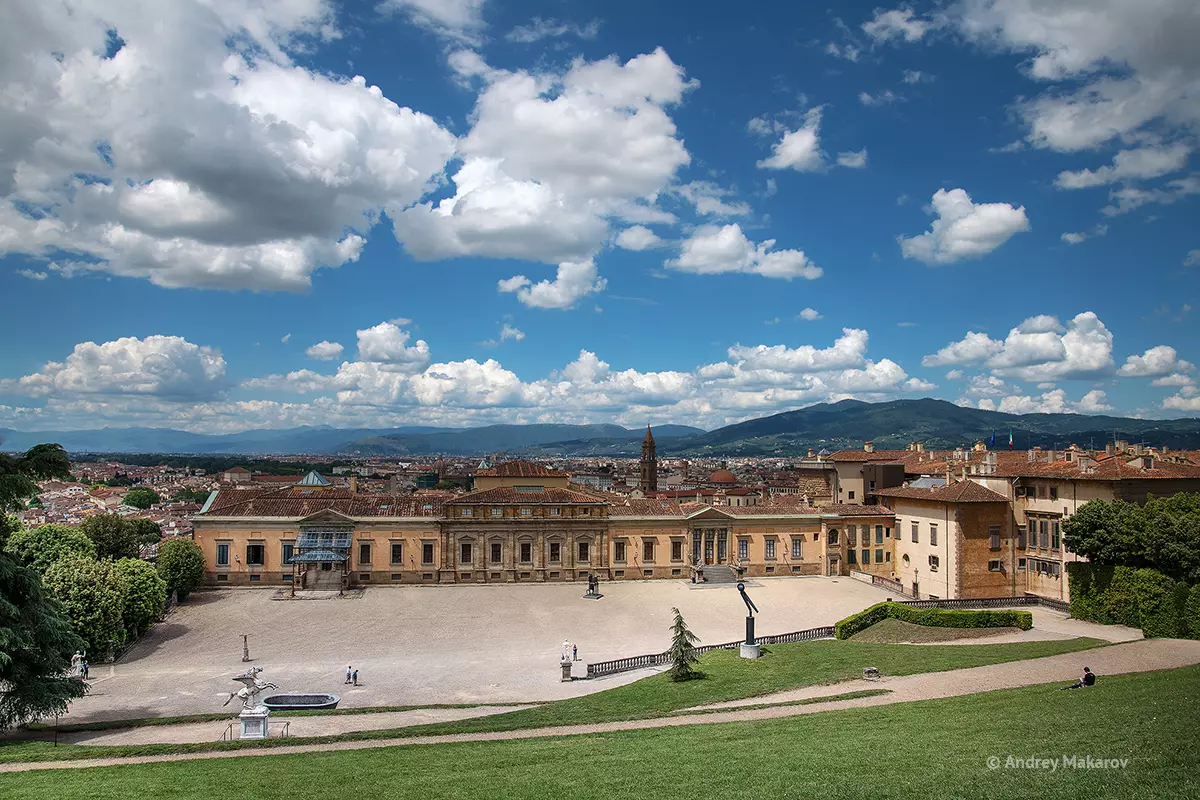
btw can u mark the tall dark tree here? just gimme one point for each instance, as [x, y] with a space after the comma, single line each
[146, 531]
[181, 565]
[113, 536]
[1110, 533]
[18, 474]
[36, 644]
[683, 651]
[42, 546]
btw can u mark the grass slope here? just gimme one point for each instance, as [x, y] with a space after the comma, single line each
[785, 666]
[931, 749]
[897, 631]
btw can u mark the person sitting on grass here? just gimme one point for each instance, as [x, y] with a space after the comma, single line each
[1087, 679]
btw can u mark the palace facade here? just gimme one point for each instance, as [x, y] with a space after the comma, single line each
[522, 523]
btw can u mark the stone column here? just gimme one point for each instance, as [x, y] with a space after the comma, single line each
[540, 558]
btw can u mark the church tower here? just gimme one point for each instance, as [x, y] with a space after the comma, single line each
[649, 463]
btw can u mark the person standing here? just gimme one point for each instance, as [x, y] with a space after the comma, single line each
[356, 677]
[574, 653]
[349, 674]
[86, 667]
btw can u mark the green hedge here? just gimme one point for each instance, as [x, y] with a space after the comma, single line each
[1139, 598]
[932, 618]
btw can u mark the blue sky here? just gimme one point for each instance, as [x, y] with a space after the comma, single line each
[220, 217]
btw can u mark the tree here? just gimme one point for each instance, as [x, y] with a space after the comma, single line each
[141, 498]
[181, 565]
[683, 651]
[1108, 533]
[145, 531]
[113, 536]
[143, 593]
[9, 524]
[36, 644]
[89, 596]
[1173, 536]
[192, 495]
[19, 473]
[42, 546]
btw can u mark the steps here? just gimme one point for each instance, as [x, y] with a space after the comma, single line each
[720, 573]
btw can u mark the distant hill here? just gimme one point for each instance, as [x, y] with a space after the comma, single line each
[937, 423]
[512, 439]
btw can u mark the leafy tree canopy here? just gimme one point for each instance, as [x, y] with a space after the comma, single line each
[36, 644]
[181, 565]
[1163, 535]
[113, 536]
[89, 595]
[143, 593]
[141, 498]
[192, 495]
[18, 474]
[145, 531]
[42, 546]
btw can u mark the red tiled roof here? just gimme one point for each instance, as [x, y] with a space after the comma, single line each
[961, 492]
[851, 510]
[645, 508]
[863, 455]
[520, 469]
[511, 495]
[298, 502]
[1114, 468]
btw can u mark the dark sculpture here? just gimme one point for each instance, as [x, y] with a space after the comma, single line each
[750, 609]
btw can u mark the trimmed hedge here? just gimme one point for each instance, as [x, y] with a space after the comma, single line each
[1138, 598]
[932, 618]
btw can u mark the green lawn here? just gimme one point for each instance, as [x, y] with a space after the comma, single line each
[931, 749]
[785, 666]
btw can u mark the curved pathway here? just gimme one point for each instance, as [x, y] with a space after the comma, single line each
[1140, 656]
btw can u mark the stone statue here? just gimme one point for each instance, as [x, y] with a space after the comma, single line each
[77, 665]
[252, 686]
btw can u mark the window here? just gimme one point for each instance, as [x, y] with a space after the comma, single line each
[1020, 538]
[994, 537]
[426, 552]
[933, 563]
[743, 549]
[1054, 537]
[467, 512]
[397, 552]
[916, 531]
[995, 565]
[933, 534]
[497, 512]
[222, 554]
[1053, 492]
[677, 551]
[554, 512]
[464, 553]
[497, 553]
[255, 554]
[798, 546]
[648, 550]
[878, 534]
[526, 512]
[866, 556]
[1043, 533]
[619, 551]
[583, 551]
[851, 556]
[556, 552]
[583, 512]
[852, 536]
[833, 538]
[526, 552]
[887, 533]
[770, 543]
[1021, 564]
[879, 556]
[287, 550]
[364, 552]
[852, 495]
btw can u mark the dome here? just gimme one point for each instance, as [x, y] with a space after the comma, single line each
[722, 476]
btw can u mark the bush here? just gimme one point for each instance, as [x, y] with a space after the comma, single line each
[143, 593]
[112, 535]
[90, 598]
[932, 618]
[42, 546]
[1191, 613]
[181, 565]
[1140, 598]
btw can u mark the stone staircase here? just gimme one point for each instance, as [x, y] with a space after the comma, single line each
[720, 573]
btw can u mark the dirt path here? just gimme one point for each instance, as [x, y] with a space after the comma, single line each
[1141, 656]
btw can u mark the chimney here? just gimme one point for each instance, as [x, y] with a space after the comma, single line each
[811, 452]
[920, 447]
[1110, 449]
[949, 475]
[353, 483]
[869, 447]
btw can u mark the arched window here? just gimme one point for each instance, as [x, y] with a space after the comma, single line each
[833, 537]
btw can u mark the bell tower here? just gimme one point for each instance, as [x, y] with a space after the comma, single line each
[649, 482]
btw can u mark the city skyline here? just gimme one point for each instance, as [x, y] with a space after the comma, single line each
[472, 212]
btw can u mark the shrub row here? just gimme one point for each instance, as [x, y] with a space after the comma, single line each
[1138, 598]
[932, 618]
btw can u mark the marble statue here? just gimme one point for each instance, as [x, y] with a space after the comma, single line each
[252, 686]
[77, 665]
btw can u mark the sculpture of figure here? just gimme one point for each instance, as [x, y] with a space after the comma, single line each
[252, 686]
[77, 665]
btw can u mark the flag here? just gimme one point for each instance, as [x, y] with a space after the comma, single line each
[1010, 442]
[992, 441]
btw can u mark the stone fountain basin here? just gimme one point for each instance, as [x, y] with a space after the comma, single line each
[300, 702]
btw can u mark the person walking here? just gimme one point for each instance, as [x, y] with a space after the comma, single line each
[356, 677]
[86, 666]
[574, 653]
[349, 674]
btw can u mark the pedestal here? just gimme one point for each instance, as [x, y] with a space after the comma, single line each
[254, 722]
[566, 672]
[750, 650]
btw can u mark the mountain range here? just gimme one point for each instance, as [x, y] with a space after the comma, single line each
[830, 426]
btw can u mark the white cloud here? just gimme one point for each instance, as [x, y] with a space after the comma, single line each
[964, 229]
[974, 348]
[324, 351]
[1192, 258]
[551, 158]
[912, 76]
[1130, 198]
[539, 29]
[799, 149]
[33, 275]
[509, 332]
[167, 367]
[708, 199]
[1182, 402]
[1129, 165]
[637, 237]
[214, 160]
[809, 314]
[846, 51]
[285, 338]
[386, 343]
[1124, 65]
[574, 280]
[955, 375]
[1094, 402]
[884, 98]
[1079, 237]
[899, 23]
[848, 351]
[1052, 402]
[1039, 349]
[458, 20]
[1154, 363]
[1176, 379]
[713, 249]
[852, 159]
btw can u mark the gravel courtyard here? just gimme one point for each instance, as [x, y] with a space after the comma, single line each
[447, 644]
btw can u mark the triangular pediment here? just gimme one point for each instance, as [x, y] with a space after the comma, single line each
[710, 513]
[327, 516]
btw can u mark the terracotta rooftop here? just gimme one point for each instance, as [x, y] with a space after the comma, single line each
[961, 492]
[646, 508]
[510, 494]
[852, 510]
[520, 469]
[296, 502]
[863, 455]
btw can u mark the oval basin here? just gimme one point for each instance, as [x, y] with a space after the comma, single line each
[300, 702]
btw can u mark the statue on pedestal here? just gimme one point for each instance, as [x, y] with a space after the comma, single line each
[252, 687]
[77, 665]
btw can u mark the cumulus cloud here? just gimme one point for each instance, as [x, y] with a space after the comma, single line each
[386, 343]
[33, 275]
[573, 281]
[214, 160]
[974, 348]
[884, 98]
[539, 29]
[709, 199]
[799, 149]
[1187, 399]
[809, 314]
[713, 249]
[1129, 165]
[1079, 237]
[458, 20]
[552, 158]
[1131, 198]
[853, 159]
[846, 51]
[1175, 379]
[964, 229]
[898, 23]
[1154, 363]
[1039, 349]
[637, 237]
[324, 351]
